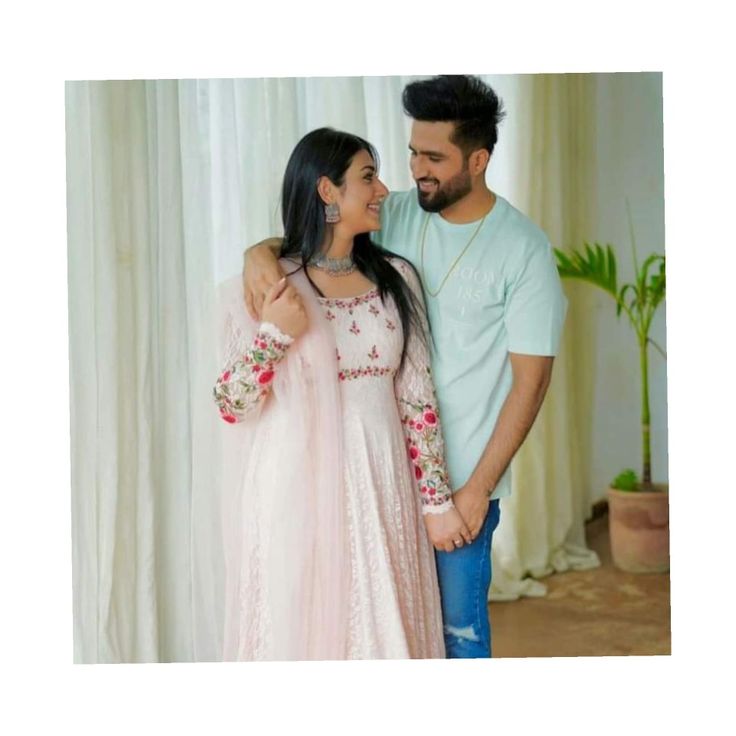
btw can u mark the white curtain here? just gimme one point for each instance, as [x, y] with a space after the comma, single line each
[549, 174]
[167, 182]
[142, 355]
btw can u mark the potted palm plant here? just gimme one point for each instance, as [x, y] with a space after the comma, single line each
[638, 508]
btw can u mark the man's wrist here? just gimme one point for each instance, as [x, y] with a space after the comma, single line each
[479, 489]
[272, 245]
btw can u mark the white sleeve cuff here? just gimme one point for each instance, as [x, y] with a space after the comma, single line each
[439, 508]
[270, 329]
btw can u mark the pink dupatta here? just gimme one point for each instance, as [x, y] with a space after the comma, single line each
[284, 526]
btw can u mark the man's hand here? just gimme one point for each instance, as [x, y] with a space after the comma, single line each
[472, 505]
[261, 271]
[446, 529]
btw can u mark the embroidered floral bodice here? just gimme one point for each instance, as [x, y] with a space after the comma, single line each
[368, 336]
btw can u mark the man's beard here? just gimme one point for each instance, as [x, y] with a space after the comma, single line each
[447, 194]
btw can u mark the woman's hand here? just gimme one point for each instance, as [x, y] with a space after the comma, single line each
[261, 271]
[447, 531]
[283, 307]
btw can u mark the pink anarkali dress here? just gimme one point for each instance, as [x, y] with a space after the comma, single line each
[392, 472]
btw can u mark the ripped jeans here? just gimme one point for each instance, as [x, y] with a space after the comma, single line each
[465, 577]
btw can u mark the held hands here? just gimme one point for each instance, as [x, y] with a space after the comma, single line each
[472, 505]
[261, 271]
[283, 307]
[446, 529]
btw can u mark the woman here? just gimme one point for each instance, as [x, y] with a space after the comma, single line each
[337, 454]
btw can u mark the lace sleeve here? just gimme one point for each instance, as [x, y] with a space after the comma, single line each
[417, 402]
[246, 379]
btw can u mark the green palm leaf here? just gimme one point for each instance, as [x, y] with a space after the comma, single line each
[594, 264]
[655, 291]
[622, 300]
[644, 271]
[657, 286]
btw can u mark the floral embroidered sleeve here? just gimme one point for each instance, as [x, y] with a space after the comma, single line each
[420, 419]
[247, 378]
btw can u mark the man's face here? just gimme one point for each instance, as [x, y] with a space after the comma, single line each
[438, 166]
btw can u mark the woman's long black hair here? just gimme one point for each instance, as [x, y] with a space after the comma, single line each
[328, 152]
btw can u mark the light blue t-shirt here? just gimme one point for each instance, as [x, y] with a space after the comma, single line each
[504, 295]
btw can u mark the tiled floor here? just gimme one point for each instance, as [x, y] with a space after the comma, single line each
[588, 613]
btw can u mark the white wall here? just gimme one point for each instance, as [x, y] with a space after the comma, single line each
[630, 165]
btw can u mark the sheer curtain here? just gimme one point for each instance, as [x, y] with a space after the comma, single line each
[551, 178]
[142, 354]
[167, 182]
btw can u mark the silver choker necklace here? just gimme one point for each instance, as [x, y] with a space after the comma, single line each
[334, 266]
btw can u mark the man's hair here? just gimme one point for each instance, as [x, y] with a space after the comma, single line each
[461, 99]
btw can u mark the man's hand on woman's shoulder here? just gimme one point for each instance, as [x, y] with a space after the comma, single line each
[261, 271]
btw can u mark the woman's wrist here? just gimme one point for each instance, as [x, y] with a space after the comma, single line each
[438, 508]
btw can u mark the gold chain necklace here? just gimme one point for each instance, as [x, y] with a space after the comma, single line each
[454, 263]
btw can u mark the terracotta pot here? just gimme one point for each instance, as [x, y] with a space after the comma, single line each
[639, 525]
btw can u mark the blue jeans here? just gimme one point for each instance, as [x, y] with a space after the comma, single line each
[465, 577]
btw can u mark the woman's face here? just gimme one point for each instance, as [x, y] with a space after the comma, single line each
[360, 196]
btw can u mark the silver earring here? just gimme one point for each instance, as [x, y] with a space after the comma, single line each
[332, 213]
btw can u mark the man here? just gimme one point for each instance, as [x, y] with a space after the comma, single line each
[496, 310]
